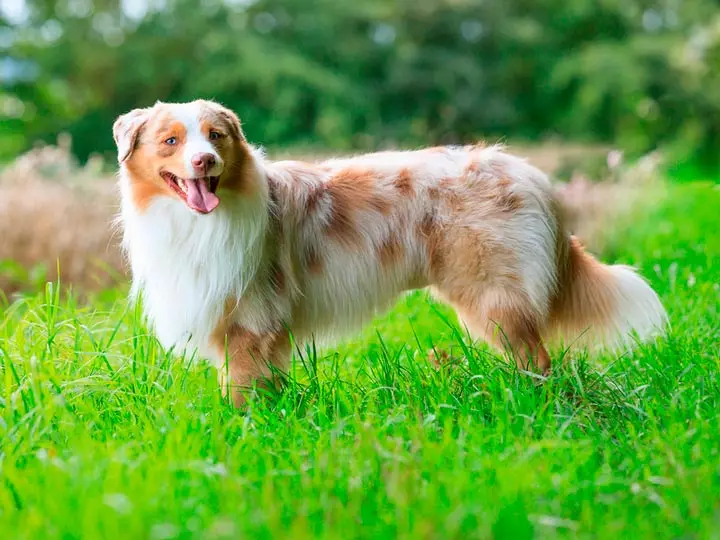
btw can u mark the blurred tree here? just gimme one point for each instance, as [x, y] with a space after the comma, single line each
[372, 73]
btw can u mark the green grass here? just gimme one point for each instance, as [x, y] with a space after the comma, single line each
[105, 435]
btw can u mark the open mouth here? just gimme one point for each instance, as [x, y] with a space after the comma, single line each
[198, 193]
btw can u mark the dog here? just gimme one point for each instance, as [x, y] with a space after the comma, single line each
[235, 255]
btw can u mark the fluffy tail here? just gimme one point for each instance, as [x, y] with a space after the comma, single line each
[601, 305]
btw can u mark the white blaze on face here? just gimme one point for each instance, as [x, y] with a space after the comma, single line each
[196, 141]
[198, 188]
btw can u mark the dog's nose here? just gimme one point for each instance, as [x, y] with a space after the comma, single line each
[202, 163]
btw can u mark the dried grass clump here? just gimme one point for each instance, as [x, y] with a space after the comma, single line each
[598, 211]
[54, 211]
[563, 159]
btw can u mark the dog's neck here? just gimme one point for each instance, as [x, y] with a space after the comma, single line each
[187, 266]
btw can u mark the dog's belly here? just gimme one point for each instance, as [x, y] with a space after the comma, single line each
[347, 295]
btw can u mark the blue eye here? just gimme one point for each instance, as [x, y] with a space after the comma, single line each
[214, 135]
[171, 141]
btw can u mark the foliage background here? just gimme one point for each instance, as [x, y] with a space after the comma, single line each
[371, 73]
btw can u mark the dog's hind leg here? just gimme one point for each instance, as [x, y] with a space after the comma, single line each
[508, 323]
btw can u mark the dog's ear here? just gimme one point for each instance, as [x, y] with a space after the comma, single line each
[234, 122]
[126, 130]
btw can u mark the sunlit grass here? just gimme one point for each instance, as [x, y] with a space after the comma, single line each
[105, 434]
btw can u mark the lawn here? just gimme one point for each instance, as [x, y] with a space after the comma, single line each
[106, 435]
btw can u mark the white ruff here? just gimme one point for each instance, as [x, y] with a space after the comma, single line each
[186, 266]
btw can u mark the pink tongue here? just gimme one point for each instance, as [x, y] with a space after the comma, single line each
[199, 197]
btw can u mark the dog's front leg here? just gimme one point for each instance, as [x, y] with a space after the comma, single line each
[247, 358]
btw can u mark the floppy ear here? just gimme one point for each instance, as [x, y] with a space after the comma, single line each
[234, 122]
[126, 130]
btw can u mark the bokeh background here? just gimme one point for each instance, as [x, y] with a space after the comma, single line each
[574, 84]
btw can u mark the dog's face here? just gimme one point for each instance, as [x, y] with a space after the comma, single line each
[181, 150]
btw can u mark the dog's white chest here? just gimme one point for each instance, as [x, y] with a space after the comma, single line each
[186, 266]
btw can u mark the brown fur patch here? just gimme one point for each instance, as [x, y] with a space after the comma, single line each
[581, 300]
[247, 357]
[390, 251]
[313, 261]
[246, 348]
[473, 167]
[246, 353]
[231, 146]
[299, 182]
[493, 186]
[222, 119]
[507, 200]
[145, 181]
[166, 150]
[206, 126]
[449, 191]
[447, 182]
[217, 118]
[426, 226]
[358, 186]
[404, 183]
[503, 183]
[428, 233]
[459, 265]
[236, 175]
[277, 277]
[353, 190]
[143, 193]
[562, 246]
[502, 321]
[163, 129]
[512, 328]
[314, 197]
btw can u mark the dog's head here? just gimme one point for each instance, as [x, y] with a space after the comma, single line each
[181, 150]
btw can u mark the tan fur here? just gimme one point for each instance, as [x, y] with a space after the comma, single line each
[581, 300]
[352, 192]
[248, 359]
[404, 183]
[145, 160]
[146, 184]
[231, 147]
[512, 328]
[390, 251]
[313, 261]
[277, 277]
[246, 355]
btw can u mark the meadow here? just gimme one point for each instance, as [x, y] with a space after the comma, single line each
[409, 430]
